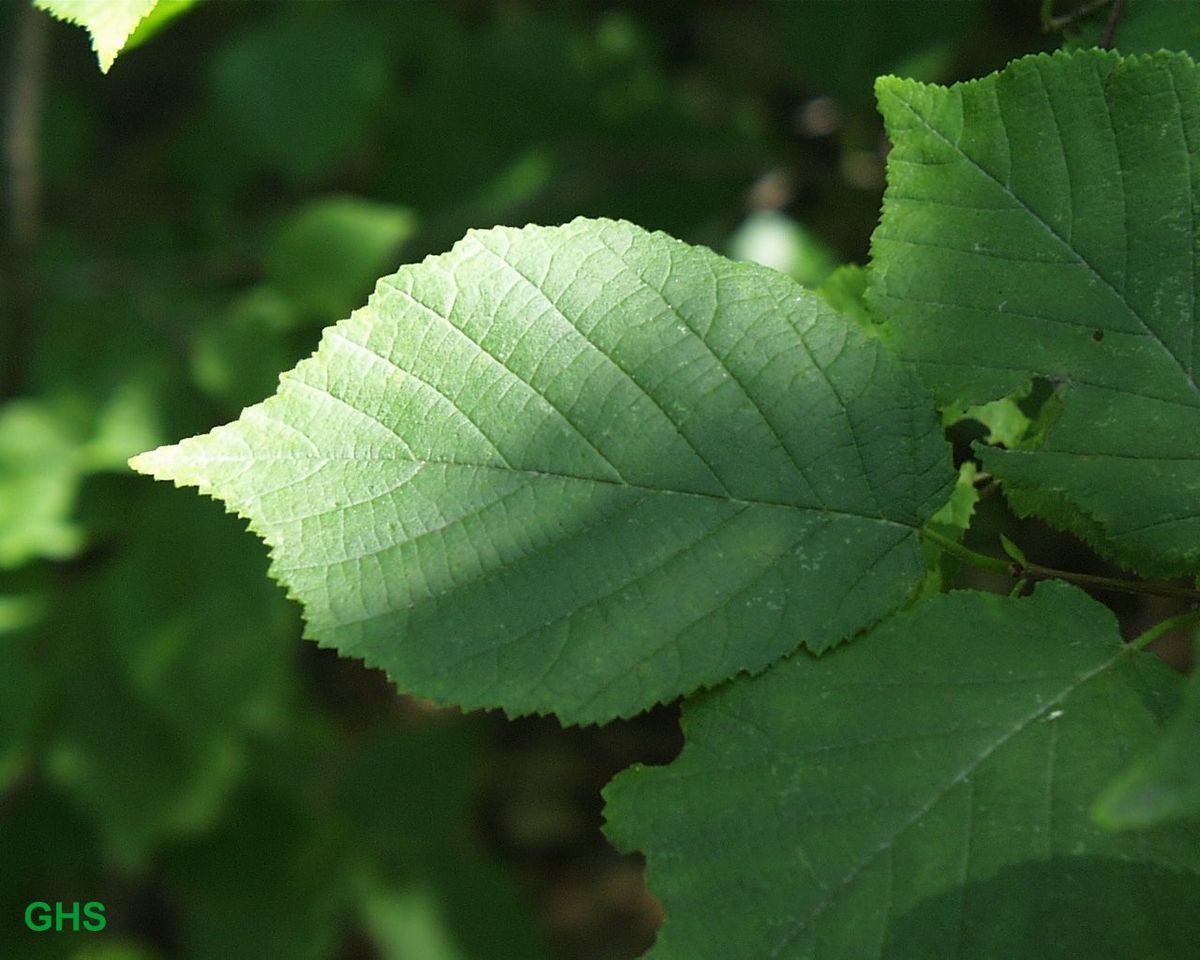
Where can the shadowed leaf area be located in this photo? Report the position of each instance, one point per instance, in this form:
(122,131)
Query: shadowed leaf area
(1041,222)
(826,799)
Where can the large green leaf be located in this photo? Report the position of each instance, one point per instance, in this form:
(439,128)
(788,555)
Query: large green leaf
(923,792)
(583,469)
(1041,222)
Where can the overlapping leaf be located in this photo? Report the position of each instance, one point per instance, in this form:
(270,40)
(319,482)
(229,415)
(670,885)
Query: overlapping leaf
(583,469)
(923,792)
(1163,785)
(1040,222)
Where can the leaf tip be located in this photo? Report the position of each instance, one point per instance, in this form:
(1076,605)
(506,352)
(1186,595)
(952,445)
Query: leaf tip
(153,463)
(109,27)
(888,83)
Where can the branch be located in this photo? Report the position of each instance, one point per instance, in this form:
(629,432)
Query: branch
(1024,570)
(1052,24)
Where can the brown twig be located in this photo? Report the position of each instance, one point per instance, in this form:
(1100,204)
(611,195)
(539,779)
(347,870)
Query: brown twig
(1110,26)
(1024,570)
(1054,24)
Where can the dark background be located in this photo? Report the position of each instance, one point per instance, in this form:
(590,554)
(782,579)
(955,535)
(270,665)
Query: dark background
(177,233)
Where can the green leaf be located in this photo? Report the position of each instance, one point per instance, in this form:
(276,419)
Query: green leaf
(407,923)
(110,22)
(1007,424)
(44,459)
(1014,552)
(326,256)
(583,469)
(952,521)
(1040,223)
(845,289)
(40,472)
(922,792)
(165,13)
(1164,784)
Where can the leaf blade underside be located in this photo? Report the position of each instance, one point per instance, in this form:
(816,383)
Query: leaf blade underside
(583,469)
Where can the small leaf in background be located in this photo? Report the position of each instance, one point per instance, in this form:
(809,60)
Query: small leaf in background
(110,22)
(44,459)
(845,290)
(326,256)
(237,356)
(1015,553)
(40,472)
(922,792)
(583,469)
(408,924)
(952,520)
(1007,424)
(179,655)
(1040,222)
(1164,784)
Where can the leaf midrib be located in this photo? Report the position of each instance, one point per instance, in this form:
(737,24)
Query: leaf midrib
(541,474)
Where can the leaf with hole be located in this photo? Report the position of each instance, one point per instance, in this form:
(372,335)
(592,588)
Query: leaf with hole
(1041,222)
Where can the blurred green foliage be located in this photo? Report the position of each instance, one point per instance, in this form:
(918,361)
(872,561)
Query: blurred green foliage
(168,745)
